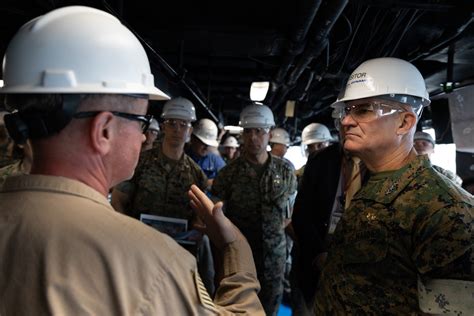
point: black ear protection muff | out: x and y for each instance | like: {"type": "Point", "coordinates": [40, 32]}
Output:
{"type": "Point", "coordinates": [34, 124]}
{"type": "Point", "coordinates": [17, 128]}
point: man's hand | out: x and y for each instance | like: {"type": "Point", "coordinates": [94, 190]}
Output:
{"type": "Point", "coordinates": [216, 225]}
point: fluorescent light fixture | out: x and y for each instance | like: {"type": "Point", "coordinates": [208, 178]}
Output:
{"type": "Point", "coordinates": [1, 83]}
{"type": "Point", "coordinates": [290, 108]}
{"type": "Point", "coordinates": [258, 90]}
{"type": "Point", "coordinates": [233, 129]}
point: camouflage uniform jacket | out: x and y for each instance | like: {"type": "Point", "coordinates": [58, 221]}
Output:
{"type": "Point", "coordinates": [160, 187]}
{"type": "Point", "coordinates": [258, 206]}
{"type": "Point", "coordinates": [401, 225]}
{"type": "Point", "coordinates": [450, 175]}
{"type": "Point", "coordinates": [5, 158]}
{"type": "Point", "coordinates": [10, 170]}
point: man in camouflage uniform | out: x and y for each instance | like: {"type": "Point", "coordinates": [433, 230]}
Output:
{"type": "Point", "coordinates": [407, 223]}
{"type": "Point", "coordinates": [424, 145]}
{"type": "Point", "coordinates": [165, 173]}
{"type": "Point", "coordinates": [257, 189]}
{"type": "Point", "coordinates": [162, 179]}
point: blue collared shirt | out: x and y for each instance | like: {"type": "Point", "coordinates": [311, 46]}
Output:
{"type": "Point", "coordinates": [210, 164]}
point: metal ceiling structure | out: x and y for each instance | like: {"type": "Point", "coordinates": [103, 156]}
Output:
{"type": "Point", "coordinates": [211, 51]}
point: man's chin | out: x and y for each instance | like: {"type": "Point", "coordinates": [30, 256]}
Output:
{"type": "Point", "coordinates": [350, 146]}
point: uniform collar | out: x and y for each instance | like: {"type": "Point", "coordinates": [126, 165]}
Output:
{"type": "Point", "coordinates": [270, 161]}
{"type": "Point", "coordinates": [54, 184]}
{"type": "Point", "coordinates": [384, 187]}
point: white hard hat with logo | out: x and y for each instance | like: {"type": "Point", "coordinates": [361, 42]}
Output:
{"type": "Point", "coordinates": [280, 136]}
{"type": "Point", "coordinates": [75, 50]}
{"type": "Point", "coordinates": [256, 116]}
{"type": "Point", "coordinates": [316, 133]}
{"type": "Point", "coordinates": [206, 131]}
{"type": "Point", "coordinates": [179, 108]}
{"type": "Point", "coordinates": [231, 141]}
{"type": "Point", "coordinates": [388, 78]}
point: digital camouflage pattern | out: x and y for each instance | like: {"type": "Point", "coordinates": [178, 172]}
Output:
{"type": "Point", "coordinates": [258, 206]}
{"type": "Point", "coordinates": [450, 175]}
{"type": "Point", "coordinates": [401, 225]}
{"type": "Point", "coordinates": [10, 170]}
{"type": "Point", "coordinates": [5, 155]}
{"type": "Point", "coordinates": [299, 176]}
{"type": "Point", "coordinates": [159, 185]}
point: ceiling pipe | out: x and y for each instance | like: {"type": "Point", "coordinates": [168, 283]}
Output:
{"type": "Point", "coordinates": [297, 42]}
{"type": "Point", "coordinates": [329, 15]}
{"type": "Point", "coordinates": [443, 43]}
{"type": "Point", "coordinates": [188, 84]}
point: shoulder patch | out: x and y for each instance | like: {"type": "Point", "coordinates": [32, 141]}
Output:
{"type": "Point", "coordinates": [204, 297]}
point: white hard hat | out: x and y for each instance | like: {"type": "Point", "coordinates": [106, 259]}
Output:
{"type": "Point", "coordinates": [179, 108]}
{"type": "Point", "coordinates": [315, 133]}
{"type": "Point", "coordinates": [231, 141]}
{"type": "Point", "coordinates": [206, 131]}
{"type": "Point", "coordinates": [154, 126]}
{"type": "Point", "coordinates": [389, 78]}
{"type": "Point", "coordinates": [74, 50]}
{"type": "Point", "coordinates": [280, 136]}
{"type": "Point", "coordinates": [424, 136]}
{"type": "Point", "coordinates": [256, 116]}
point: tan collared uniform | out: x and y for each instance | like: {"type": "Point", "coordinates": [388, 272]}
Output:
{"type": "Point", "coordinates": [65, 251]}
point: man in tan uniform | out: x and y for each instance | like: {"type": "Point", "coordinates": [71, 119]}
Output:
{"type": "Point", "coordinates": [64, 250]}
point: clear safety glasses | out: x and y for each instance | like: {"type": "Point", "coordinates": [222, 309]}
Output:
{"type": "Point", "coordinates": [177, 123]}
{"type": "Point", "coordinates": [260, 131]}
{"type": "Point", "coordinates": [364, 112]}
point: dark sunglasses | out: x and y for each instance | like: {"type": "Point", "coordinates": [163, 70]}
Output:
{"type": "Point", "coordinates": [145, 120]}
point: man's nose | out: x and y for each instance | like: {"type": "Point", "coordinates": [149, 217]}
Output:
{"type": "Point", "coordinates": [348, 120]}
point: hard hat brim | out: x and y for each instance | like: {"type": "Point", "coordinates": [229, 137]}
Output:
{"type": "Point", "coordinates": [153, 93]}
{"type": "Point", "coordinates": [206, 141]}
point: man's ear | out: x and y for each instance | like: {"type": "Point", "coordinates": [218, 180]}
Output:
{"type": "Point", "coordinates": [188, 136]}
{"type": "Point", "coordinates": [406, 121]}
{"type": "Point", "coordinates": [101, 132]}
{"type": "Point", "coordinates": [190, 132]}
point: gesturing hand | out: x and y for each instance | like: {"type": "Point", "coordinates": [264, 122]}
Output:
{"type": "Point", "coordinates": [216, 225]}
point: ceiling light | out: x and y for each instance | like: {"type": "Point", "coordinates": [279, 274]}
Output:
{"type": "Point", "coordinates": [258, 90]}
{"type": "Point", "coordinates": [233, 129]}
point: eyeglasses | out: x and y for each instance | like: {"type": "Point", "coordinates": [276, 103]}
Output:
{"type": "Point", "coordinates": [365, 112]}
{"type": "Point", "coordinates": [145, 120]}
{"type": "Point", "coordinates": [153, 132]}
{"type": "Point", "coordinates": [177, 123]}
{"type": "Point", "coordinates": [260, 131]}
